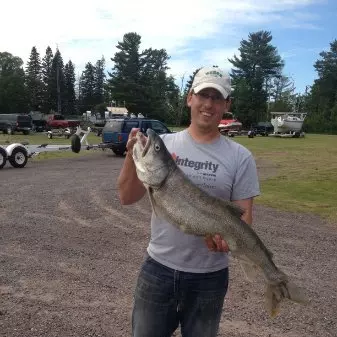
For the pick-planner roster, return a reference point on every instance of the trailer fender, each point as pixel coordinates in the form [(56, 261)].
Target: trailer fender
[(11, 147)]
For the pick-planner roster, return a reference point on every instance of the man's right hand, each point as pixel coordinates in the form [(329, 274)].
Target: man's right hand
[(131, 141)]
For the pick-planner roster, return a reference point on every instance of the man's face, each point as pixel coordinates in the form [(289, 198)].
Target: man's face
[(207, 108)]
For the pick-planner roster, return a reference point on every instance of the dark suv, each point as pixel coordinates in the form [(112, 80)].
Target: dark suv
[(116, 131), (263, 128), (10, 123)]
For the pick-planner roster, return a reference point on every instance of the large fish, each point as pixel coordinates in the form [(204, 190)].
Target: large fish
[(196, 212)]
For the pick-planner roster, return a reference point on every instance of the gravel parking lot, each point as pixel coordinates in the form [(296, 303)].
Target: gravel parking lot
[(70, 254)]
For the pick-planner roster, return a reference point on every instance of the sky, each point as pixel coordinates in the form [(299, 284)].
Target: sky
[(194, 33)]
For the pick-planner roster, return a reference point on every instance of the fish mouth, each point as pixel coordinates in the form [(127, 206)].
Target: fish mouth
[(144, 143), (146, 147)]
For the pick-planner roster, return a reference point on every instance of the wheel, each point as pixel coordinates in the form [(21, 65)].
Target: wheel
[(10, 131), (19, 157), (3, 157), (75, 143), (50, 135), (119, 152)]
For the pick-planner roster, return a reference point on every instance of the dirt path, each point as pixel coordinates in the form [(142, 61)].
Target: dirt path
[(70, 254)]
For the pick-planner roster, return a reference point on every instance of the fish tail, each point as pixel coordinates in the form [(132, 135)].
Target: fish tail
[(275, 293)]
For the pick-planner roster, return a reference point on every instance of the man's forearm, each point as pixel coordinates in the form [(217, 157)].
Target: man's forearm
[(130, 188)]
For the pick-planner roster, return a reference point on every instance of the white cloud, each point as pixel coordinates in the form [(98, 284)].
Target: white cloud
[(85, 30)]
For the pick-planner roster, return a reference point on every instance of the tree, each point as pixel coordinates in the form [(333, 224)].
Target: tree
[(13, 95), (282, 94), (46, 69), (87, 88), (57, 83), (125, 75), (99, 79), (321, 102), (34, 82), (257, 65), (69, 88), (140, 80)]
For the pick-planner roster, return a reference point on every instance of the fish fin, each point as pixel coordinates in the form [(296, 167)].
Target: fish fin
[(152, 201), (250, 270), (235, 209), (284, 290)]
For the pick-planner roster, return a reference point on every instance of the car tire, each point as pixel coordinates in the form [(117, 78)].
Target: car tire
[(119, 152)]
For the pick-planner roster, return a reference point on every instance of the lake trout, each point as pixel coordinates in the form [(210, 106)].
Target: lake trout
[(198, 213)]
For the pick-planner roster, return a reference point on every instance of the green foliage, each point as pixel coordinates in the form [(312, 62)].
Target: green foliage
[(257, 65), (139, 80), (34, 82), (13, 94), (321, 101)]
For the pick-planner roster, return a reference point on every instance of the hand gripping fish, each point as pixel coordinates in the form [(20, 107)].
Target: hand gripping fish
[(196, 212)]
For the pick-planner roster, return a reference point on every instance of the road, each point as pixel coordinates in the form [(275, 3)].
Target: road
[(70, 254)]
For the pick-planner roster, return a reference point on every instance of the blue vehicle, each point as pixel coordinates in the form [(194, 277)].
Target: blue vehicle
[(116, 131)]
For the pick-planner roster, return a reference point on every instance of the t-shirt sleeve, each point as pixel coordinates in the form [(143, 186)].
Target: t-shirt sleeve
[(246, 182)]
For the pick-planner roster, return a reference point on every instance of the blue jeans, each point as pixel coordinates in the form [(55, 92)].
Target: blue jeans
[(165, 297)]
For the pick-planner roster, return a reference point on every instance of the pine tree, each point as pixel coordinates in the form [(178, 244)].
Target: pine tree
[(34, 82), (69, 89), (47, 80)]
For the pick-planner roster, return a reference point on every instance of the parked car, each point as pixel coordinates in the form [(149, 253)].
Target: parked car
[(11, 123), (263, 128), (116, 131)]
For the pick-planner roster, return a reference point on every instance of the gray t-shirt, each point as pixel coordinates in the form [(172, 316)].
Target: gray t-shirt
[(224, 169)]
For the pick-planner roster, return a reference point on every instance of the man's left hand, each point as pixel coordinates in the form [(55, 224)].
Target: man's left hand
[(216, 243)]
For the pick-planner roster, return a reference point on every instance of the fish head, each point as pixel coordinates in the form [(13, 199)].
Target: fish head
[(153, 161)]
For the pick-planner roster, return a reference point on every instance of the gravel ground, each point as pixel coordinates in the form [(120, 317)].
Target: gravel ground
[(70, 254)]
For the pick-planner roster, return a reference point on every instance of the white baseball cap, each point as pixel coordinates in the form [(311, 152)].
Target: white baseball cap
[(211, 77)]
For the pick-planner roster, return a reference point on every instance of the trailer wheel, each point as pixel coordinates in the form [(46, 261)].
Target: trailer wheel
[(19, 157), (75, 143), (3, 157)]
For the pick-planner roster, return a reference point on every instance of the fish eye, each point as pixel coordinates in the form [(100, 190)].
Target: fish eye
[(157, 147)]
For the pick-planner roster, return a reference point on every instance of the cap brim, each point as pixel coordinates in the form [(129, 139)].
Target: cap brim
[(217, 87)]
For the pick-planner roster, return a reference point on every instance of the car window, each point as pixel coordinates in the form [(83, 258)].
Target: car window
[(145, 126), (129, 125), (114, 126), (24, 118), (159, 127)]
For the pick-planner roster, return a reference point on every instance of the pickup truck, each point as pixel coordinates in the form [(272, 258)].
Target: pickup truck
[(56, 121)]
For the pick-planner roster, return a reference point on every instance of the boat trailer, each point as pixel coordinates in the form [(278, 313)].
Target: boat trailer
[(17, 154)]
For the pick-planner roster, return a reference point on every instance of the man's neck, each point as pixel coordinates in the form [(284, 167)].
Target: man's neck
[(203, 136)]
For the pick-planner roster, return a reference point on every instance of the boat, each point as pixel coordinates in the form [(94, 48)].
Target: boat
[(229, 125), (288, 123)]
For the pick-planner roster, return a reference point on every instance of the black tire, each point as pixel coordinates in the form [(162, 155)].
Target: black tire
[(119, 152), (19, 157), (3, 157), (75, 143), (50, 135)]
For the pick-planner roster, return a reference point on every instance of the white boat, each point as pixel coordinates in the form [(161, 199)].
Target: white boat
[(287, 122)]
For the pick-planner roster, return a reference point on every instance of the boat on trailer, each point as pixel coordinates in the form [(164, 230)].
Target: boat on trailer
[(288, 124)]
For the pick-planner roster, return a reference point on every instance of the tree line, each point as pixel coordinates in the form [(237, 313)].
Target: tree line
[(139, 81)]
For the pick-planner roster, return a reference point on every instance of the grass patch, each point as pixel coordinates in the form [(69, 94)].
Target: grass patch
[(306, 173), (304, 170)]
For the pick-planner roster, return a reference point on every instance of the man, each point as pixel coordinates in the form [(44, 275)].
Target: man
[(184, 278)]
